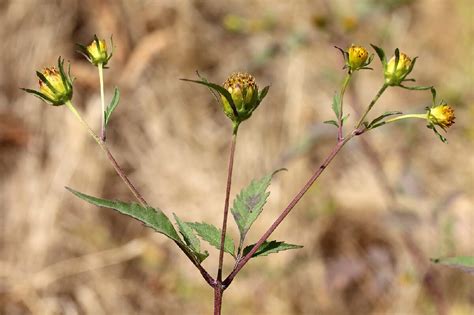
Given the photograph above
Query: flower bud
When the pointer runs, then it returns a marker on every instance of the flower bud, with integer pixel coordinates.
(96, 53)
(357, 57)
(441, 115)
(244, 93)
(55, 86)
(396, 73)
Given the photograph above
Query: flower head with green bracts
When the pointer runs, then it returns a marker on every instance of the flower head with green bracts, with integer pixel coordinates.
(239, 95)
(55, 86)
(356, 58)
(96, 52)
(441, 115)
(244, 93)
(397, 68)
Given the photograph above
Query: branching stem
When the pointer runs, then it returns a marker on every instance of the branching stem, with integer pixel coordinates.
(372, 103)
(132, 188)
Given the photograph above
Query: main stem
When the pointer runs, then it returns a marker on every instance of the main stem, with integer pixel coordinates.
(100, 66)
(132, 188)
(287, 210)
(226, 205)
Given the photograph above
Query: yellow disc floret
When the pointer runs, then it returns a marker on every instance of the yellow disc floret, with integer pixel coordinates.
(357, 57)
(97, 51)
(441, 115)
(242, 88)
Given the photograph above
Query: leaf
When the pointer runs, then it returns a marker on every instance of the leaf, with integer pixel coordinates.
(464, 263)
(219, 89)
(263, 93)
(271, 247)
(212, 235)
(380, 54)
(249, 203)
(151, 217)
(190, 239)
(416, 88)
(331, 122)
(373, 124)
(336, 104)
(113, 104)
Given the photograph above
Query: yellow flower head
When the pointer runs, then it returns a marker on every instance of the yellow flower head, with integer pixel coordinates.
(55, 87)
(441, 115)
(395, 73)
(96, 52)
(357, 58)
(244, 93)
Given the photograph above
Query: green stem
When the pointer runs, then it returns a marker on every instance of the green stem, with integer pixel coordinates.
(100, 66)
(421, 116)
(345, 83)
(372, 103)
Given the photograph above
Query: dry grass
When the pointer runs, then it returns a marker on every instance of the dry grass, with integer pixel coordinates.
(398, 187)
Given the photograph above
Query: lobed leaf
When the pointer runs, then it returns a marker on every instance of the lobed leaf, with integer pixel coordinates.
(212, 235)
(271, 247)
(151, 217)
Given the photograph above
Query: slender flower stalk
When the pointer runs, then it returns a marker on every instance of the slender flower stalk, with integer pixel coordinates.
(372, 103)
(226, 204)
(340, 119)
(218, 288)
(421, 116)
(100, 68)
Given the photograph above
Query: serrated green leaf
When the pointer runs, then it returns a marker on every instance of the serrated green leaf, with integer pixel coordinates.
(464, 263)
(113, 104)
(271, 247)
(336, 104)
(190, 239)
(249, 203)
(212, 235)
(151, 217)
(331, 122)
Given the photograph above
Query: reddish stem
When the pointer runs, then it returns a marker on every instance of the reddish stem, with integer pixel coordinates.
(226, 208)
(287, 210)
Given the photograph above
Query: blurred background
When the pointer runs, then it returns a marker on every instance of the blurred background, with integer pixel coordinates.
(391, 200)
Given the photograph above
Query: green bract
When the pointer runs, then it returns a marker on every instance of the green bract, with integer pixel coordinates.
(397, 68)
(96, 52)
(55, 87)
